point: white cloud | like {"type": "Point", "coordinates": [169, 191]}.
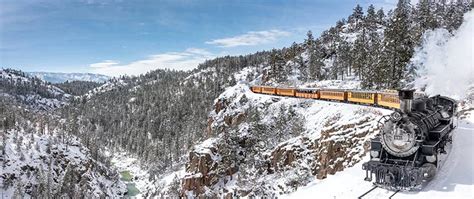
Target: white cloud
{"type": "Point", "coordinates": [104, 64]}
{"type": "Point", "coordinates": [250, 38]}
{"type": "Point", "coordinates": [186, 60]}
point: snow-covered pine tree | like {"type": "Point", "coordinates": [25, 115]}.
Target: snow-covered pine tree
{"type": "Point", "coordinates": [398, 45]}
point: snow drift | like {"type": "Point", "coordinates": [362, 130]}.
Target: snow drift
{"type": "Point", "coordinates": [446, 62]}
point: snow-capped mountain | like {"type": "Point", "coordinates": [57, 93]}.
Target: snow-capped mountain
{"type": "Point", "coordinates": [62, 77]}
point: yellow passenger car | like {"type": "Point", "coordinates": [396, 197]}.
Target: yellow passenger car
{"type": "Point", "coordinates": [390, 100]}
{"type": "Point", "coordinates": [307, 93]}
{"type": "Point", "coordinates": [269, 90]}
{"type": "Point", "coordinates": [285, 91]}
{"type": "Point", "coordinates": [361, 97]}
{"type": "Point", "coordinates": [332, 95]}
{"type": "Point", "coordinates": [256, 89]}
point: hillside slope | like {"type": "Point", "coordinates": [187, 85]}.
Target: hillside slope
{"type": "Point", "coordinates": [39, 159]}
{"type": "Point", "coordinates": [30, 91]}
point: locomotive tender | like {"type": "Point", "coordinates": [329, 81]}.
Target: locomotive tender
{"type": "Point", "coordinates": [412, 142]}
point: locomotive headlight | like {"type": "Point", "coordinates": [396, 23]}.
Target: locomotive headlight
{"type": "Point", "coordinates": [374, 154]}
{"type": "Point", "coordinates": [431, 158]}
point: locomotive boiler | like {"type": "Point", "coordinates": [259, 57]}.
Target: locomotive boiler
{"type": "Point", "coordinates": [412, 142]}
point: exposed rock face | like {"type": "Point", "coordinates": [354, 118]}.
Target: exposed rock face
{"type": "Point", "coordinates": [342, 146]}
{"type": "Point", "coordinates": [209, 128]}
{"type": "Point", "coordinates": [221, 104]}
{"type": "Point", "coordinates": [199, 171]}
{"type": "Point", "coordinates": [337, 148]}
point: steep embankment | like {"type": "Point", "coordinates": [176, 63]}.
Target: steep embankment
{"type": "Point", "coordinates": [39, 163]}
{"type": "Point", "coordinates": [268, 145]}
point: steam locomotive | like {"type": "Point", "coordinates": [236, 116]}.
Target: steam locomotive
{"type": "Point", "coordinates": [412, 142]}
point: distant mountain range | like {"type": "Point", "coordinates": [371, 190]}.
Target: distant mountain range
{"type": "Point", "coordinates": [62, 77]}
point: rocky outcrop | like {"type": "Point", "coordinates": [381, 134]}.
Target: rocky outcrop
{"type": "Point", "coordinates": [199, 169]}
{"type": "Point", "coordinates": [258, 154]}
{"type": "Point", "coordinates": [338, 147]}
{"type": "Point", "coordinates": [220, 105]}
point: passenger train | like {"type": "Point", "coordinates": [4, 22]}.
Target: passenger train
{"type": "Point", "coordinates": [387, 99]}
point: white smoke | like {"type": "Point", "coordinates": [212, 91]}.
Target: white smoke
{"type": "Point", "coordinates": [446, 62]}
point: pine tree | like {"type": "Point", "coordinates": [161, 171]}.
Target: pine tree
{"type": "Point", "coordinates": [359, 54]}
{"type": "Point", "coordinates": [424, 19]}
{"type": "Point", "coordinates": [343, 59]}
{"type": "Point", "coordinates": [372, 71]}
{"type": "Point", "coordinates": [302, 68]}
{"type": "Point", "coordinates": [398, 45]}
{"type": "Point", "coordinates": [277, 64]}
{"type": "Point", "coordinates": [313, 69]}
{"type": "Point", "coordinates": [371, 20]}
{"type": "Point", "coordinates": [454, 15]}
{"type": "Point", "coordinates": [425, 16]}
{"type": "Point", "coordinates": [381, 17]}
{"type": "Point", "coordinates": [356, 18]}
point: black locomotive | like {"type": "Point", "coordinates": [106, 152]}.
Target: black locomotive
{"type": "Point", "coordinates": [412, 142]}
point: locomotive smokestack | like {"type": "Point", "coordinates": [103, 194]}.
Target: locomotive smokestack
{"type": "Point", "coordinates": [406, 99]}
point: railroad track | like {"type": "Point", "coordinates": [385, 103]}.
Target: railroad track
{"type": "Point", "coordinates": [389, 194]}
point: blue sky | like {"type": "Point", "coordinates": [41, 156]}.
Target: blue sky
{"type": "Point", "coordinates": [115, 37]}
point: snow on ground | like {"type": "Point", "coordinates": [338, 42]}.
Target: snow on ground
{"type": "Point", "coordinates": [126, 163]}
{"type": "Point", "coordinates": [454, 180]}
{"type": "Point", "coordinates": [107, 86]}
{"type": "Point", "coordinates": [33, 157]}
{"type": "Point", "coordinates": [141, 177]}
{"type": "Point", "coordinates": [316, 112]}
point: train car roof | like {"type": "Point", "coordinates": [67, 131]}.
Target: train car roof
{"type": "Point", "coordinates": [307, 89]}
{"type": "Point", "coordinates": [265, 86]}
{"type": "Point", "coordinates": [287, 87]}
{"type": "Point", "coordinates": [362, 91]}
{"type": "Point", "coordinates": [333, 89]}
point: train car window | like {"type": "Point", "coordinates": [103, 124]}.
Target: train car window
{"type": "Point", "coordinates": [362, 95]}
{"type": "Point", "coordinates": [390, 98]}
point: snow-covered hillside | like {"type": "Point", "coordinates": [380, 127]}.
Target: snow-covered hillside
{"type": "Point", "coordinates": [39, 163]}
{"type": "Point", "coordinates": [62, 77]}
{"type": "Point", "coordinates": [32, 92]}
{"type": "Point", "coordinates": [107, 86]}
{"type": "Point", "coordinates": [308, 138]}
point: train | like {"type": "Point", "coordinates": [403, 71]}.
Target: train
{"type": "Point", "coordinates": [386, 99]}
{"type": "Point", "coordinates": [413, 142]}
